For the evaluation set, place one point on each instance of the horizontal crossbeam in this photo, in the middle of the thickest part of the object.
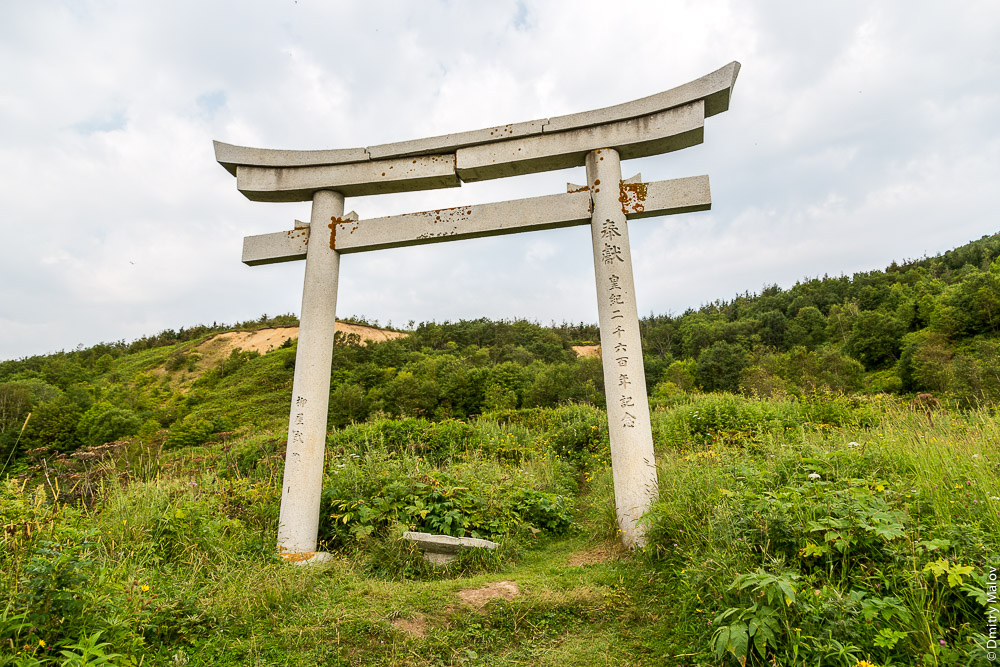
(715, 89)
(660, 123)
(638, 200)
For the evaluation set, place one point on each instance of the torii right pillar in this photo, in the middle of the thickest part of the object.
(632, 460)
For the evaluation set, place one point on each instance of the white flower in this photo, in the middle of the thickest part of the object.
(814, 475)
(853, 444)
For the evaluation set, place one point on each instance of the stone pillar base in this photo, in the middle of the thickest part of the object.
(307, 557)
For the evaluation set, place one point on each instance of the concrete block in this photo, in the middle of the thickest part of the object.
(286, 184)
(661, 132)
(443, 549)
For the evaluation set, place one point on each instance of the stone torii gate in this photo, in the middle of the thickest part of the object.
(598, 140)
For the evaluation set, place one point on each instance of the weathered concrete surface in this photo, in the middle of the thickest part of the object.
(632, 460)
(714, 88)
(638, 200)
(657, 133)
(443, 549)
(449, 143)
(287, 184)
(230, 156)
(302, 485)
(307, 557)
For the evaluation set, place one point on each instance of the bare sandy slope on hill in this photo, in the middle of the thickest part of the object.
(208, 354)
(587, 350)
(264, 340)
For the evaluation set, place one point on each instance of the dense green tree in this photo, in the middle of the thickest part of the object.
(53, 425)
(772, 328)
(348, 404)
(699, 331)
(875, 338)
(807, 328)
(720, 365)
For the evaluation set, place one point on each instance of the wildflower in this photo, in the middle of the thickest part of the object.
(144, 588)
(864, 663)
(41, 643)
(880, 488)
(814, 475)
(942, 642)
(853, 444)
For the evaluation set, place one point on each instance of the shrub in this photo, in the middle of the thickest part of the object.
(190, 431)
(104, 422)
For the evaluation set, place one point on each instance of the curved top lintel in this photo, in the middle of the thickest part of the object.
(714, 88)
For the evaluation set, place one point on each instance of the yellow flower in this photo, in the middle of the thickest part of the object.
(144, 588)
(41, 643)
(864, 663)
(880, 488)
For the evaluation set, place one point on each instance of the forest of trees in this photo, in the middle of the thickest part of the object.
(928, 325)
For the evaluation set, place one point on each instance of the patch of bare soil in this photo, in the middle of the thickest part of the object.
(415, 627)
(587, 350)
(211, 352)
(600, 553)
(262, 341)
(265, 340)
(478, 597)
(369, 333)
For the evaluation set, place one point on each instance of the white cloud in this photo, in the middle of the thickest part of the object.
(858, 134)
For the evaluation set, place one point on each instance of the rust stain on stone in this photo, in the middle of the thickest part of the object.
(632, 197)
(299, 557)
(334, 221)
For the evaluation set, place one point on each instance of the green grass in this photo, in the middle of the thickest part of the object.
(173, 560)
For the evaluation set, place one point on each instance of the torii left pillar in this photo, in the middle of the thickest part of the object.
(302, 486)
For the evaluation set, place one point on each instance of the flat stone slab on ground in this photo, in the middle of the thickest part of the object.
(442, 549)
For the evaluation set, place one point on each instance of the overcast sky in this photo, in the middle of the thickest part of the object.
(859, 133)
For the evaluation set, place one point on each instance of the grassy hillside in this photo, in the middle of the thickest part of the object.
(811, 512)
(832, 530)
